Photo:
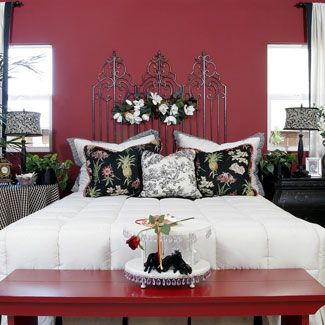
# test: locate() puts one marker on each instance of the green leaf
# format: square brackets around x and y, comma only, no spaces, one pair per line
[161,218]
[270,168]
[151,219]
[165,229]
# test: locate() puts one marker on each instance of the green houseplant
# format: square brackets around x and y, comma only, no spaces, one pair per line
[277,164]
[49,164]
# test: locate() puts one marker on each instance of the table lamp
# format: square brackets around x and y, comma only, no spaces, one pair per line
[24,124]
[301,118]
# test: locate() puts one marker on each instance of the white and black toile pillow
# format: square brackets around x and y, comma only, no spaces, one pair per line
[170,176]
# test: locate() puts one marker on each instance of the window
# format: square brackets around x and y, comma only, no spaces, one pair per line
[30,88]
[287,79]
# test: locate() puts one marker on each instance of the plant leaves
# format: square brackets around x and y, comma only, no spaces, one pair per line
[165,229]
[270,168]
[151,219]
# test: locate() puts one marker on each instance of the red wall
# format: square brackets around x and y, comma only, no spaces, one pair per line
[84,33]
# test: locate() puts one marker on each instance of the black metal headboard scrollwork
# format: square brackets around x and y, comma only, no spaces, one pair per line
[114,85]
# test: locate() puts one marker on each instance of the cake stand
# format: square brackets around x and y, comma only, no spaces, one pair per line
[182,237]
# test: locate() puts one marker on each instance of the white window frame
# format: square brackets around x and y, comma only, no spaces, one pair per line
[296,97]
[50,145]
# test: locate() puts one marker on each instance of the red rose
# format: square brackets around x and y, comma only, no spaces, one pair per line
[133,242]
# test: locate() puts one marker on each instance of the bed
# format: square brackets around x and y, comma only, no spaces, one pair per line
[81,232]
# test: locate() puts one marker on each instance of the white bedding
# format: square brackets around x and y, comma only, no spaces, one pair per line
[86,233]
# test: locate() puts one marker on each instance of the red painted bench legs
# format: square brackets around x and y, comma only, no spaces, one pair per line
[32,320]
[22,320]
[295,320]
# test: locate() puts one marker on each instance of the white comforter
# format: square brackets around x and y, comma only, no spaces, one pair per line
[86,233]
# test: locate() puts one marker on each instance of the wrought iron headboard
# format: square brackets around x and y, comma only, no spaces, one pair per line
[114,85]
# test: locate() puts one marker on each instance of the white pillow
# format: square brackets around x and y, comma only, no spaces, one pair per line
[184,140]
[77,146]
[170,176]
[81,143]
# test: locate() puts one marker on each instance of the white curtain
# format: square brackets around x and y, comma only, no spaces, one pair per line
[2,24]
[317,71]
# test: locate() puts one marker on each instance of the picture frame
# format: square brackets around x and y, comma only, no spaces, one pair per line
[314,166]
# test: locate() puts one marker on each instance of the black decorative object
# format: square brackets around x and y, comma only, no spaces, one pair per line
[114,85]
[46,177]
[152,263]
[301,118]
[18,4]
[174,261]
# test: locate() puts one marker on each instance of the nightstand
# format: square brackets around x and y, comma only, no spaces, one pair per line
[18,201]
[303,197]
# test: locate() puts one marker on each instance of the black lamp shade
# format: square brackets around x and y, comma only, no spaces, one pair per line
[23,123]
[301,118]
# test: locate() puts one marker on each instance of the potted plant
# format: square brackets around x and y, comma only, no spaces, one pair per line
[49,169]
[277,164]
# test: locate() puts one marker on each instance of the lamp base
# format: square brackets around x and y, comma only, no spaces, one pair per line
[23,156]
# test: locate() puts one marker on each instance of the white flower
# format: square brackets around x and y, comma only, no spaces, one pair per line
[170,120]
[189,109]
[145,117]
[204,183]
[163,108]
[237,168]
[137,119]
[156,99]
[174,110]
[118,117]
[128,102]
[138,103]
[136,112]
[130,118]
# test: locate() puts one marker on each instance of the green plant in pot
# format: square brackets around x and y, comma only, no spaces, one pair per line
[49,169]
[277,164]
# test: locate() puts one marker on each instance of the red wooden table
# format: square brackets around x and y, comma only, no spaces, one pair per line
[289,292]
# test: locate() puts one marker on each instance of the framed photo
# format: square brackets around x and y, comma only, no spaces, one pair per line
[314,166]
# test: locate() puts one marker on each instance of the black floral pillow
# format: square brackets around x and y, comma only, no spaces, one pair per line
[225,172]
[115,172]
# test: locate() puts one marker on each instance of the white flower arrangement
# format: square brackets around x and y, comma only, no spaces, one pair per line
[171,111]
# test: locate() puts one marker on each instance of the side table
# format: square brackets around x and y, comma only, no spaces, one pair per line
[18,201]
[303,197]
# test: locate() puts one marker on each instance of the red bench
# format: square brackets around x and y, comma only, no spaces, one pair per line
[292,293]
